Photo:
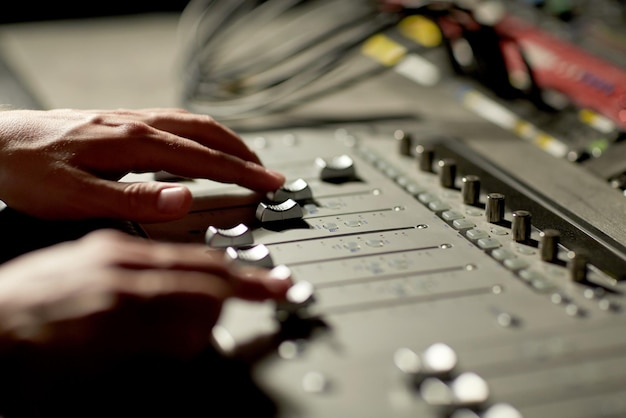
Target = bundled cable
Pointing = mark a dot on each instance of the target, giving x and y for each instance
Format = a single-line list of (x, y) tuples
[(249, 58), (244, 59)]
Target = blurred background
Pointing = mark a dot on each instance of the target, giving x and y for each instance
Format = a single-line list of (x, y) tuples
[(90, 55), (46, 10)]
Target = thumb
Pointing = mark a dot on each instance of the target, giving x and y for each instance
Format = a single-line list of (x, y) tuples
[(143, 201)]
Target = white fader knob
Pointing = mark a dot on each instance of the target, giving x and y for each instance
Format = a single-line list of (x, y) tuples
[(288, 210), (236, 236), (339, 168), (257, 255), (298, 298), (297, 190)]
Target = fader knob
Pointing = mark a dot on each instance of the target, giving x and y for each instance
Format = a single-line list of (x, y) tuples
[(425, 155), (447, 172), (549, 245), (470, 190), (257, 255), (437, 360), (494, 211), (296, 303), (288, 210), (336, 169), (520, 229), (299, 296), (236, 236), (297, 190)]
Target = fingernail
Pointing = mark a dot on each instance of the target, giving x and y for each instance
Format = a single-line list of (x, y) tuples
[(171, 199), (262, 170), (279, 176)]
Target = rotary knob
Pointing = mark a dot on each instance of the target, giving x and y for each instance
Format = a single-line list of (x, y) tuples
[(236, 236), (470, 190), (425, 155), (255, 255), (337, 169), (550, 245), (577, 265), (520, 229), (494, 212), (447, 172), (297, 190), (405, 142), (289, 210)]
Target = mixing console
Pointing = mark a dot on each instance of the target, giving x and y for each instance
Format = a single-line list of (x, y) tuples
[(460, 254), (429, 282)]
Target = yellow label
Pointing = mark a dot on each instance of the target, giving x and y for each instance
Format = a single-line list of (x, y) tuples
[(586, 116), (384, 50), (543, 140), (421, 30)]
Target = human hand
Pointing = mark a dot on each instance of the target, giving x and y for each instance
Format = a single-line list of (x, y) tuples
[(64, 164), (110, 295)]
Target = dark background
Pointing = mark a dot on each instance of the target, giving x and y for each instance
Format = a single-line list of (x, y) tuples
[(37, 10)]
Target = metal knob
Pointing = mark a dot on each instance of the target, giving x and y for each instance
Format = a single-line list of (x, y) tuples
[(470, 190), (549, 245), (257, 255), (288, 210), (297, 190), (447, 172), (520, 230), (494, 212), (337, 169), (405, 142), (236, 236), (577, 266), (425, 155)]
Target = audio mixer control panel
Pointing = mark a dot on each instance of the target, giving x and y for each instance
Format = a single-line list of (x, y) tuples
[(421, 289)]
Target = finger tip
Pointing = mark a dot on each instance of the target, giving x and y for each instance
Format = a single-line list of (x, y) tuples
[(173, 201)]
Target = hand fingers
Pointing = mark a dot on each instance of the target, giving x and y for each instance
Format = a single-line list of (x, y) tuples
[(154, 150), (202, 129), (139, 295), (140, 202), (138, 254)]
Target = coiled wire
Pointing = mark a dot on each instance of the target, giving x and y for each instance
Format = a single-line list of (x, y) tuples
[(249, 58)]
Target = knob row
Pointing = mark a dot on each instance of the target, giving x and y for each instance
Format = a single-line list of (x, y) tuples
[(521, 224)]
